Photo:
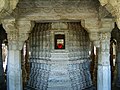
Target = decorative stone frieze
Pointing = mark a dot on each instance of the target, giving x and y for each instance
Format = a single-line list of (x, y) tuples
[(57, 6), (54, 10)]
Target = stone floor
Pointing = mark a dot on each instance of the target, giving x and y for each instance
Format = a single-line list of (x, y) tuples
[(91, 88), (116, 88)]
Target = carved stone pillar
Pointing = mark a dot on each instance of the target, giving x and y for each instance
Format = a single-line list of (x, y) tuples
[(99, 32), (14, 72), (24, 73), (94, 37), (27, 64), (17, 33), (104, 70)]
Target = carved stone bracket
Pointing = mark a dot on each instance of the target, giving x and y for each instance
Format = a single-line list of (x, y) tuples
[(106, 25), (92, 26), (95, 27), (17, 32), (94, 36), (24, 28)]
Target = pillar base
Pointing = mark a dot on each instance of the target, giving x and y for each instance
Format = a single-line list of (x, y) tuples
[(118, 82), (104, 77)]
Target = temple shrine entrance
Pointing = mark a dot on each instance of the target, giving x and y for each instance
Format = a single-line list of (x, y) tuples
[(59, 57)]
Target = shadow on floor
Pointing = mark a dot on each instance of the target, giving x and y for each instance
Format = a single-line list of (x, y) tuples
[(116, 88)]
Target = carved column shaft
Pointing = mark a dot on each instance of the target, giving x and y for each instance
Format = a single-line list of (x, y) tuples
[(14, 71), (94, 63), (27, 64), (104, 72), (102, 43)]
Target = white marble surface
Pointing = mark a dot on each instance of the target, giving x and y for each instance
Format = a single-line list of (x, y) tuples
[(14, 74), (104, 78)]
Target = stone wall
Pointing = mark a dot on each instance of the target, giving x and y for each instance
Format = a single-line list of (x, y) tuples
[(58, 69)]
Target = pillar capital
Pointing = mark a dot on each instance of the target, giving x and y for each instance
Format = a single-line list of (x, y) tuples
[(98, 25), (91, 25), (93, 29), (17, 32), (9, 24), (106, 25), (24, 28)]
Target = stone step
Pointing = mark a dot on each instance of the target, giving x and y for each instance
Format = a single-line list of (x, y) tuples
[(59, 56), (53, 83), (59, 88)]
